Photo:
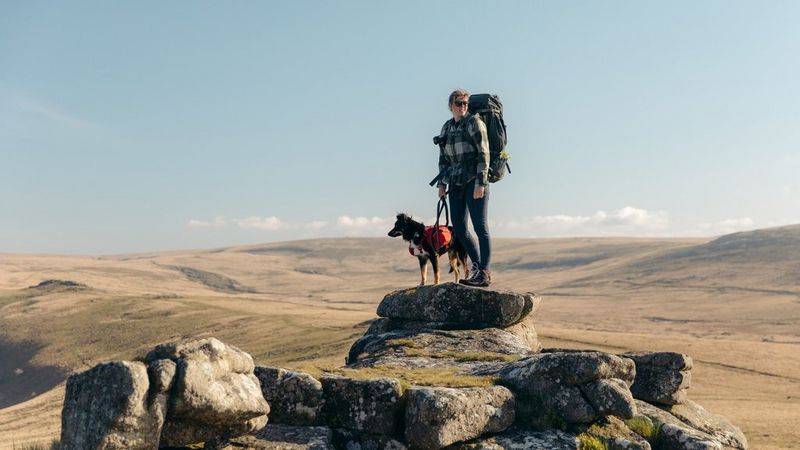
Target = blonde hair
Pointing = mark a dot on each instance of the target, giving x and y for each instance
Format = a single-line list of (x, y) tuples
[(458, 93)]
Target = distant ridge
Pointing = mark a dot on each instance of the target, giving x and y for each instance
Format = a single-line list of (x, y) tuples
[(763, 245), (763, 257), (786, 238)]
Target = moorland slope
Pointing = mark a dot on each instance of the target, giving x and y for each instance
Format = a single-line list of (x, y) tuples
[(732, 303)]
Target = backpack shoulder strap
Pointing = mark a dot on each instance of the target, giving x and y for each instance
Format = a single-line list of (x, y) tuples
[(472, 118)]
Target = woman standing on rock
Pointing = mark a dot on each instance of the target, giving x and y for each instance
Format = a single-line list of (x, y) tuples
[(464, 168)]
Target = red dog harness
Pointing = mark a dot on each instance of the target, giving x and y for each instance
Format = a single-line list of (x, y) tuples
[(437, 237)]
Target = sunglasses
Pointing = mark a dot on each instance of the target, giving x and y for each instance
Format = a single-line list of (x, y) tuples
[(461, 103)]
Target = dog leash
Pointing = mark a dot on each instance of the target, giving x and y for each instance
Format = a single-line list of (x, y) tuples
[(441, 206)]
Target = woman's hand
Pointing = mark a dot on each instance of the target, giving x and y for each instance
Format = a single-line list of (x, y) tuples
[(478, 192), (442, 191)]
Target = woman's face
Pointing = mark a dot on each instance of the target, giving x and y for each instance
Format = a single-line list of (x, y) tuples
[(459, 108)]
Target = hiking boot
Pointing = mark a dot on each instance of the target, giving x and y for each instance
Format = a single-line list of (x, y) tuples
[(482, 278), (473, 272)]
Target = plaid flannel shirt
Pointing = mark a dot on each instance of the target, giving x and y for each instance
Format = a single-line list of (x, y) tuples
[(465, 155)]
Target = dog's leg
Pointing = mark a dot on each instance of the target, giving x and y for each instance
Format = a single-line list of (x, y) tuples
[(423, 269), (435, 264), (452, 256)]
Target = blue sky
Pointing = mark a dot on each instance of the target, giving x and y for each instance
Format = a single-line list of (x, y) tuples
[(143, 126)]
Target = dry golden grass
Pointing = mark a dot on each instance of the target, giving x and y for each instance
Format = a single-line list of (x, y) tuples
[(301, 304), (421, 376)]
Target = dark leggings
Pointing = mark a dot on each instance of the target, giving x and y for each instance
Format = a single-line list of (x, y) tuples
[(461, 201)]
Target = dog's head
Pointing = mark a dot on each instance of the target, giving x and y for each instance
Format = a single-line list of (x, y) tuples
[(399, 225), (405, 226)]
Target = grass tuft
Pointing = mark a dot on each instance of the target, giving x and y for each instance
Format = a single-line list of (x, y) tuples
[(643, 426), (590, 442)]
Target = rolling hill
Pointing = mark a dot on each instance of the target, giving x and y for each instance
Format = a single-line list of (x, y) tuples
[(733, 303)]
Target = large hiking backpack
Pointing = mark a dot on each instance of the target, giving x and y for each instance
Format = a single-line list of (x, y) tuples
[(490, 110)]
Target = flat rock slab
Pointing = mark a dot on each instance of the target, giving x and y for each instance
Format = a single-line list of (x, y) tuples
[(464, 345), (355, 440), (451, 365), (524, 330), (295, 398), (523, 440), (571, 367), (457, 303), (437, 417), (279, 437), (372, 406)]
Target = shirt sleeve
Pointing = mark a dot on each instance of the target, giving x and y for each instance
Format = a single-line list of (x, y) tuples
[(480, 138), (444, 163)]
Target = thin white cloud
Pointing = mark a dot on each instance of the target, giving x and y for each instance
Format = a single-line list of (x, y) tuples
[(217, 222), (630, 216), (627, 220), (315, 225), (271, 223), (363, 222), (52, 113)]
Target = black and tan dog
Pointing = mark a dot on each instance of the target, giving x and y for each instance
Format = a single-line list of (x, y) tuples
[(421, 245)]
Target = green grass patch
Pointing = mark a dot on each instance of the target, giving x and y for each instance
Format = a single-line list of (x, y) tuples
[(591, 442), (411, 347), (644, 427), (444, 377), (426, 376)]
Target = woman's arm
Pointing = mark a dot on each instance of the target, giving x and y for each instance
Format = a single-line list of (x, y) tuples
[(480, 139), (444, 165)]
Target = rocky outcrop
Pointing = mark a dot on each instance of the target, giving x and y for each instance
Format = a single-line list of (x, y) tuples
[(184, 393), (446, 366)]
